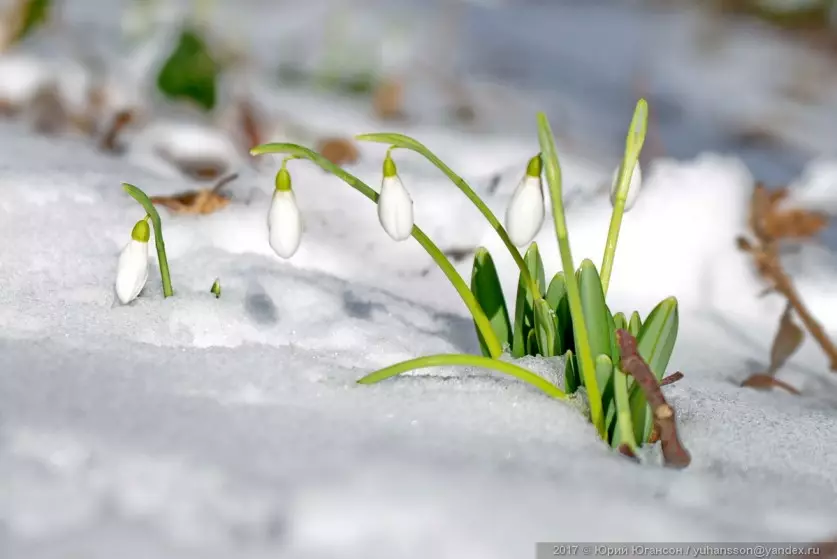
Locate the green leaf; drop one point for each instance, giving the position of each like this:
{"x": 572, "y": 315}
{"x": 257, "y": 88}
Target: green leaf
{"x": 604, "y": 376}
{"x": 524, "y": 312}
{"x": 571, "y": 376}
{"x": 655, "y": 344}
{"x": 545, "y": 328}
{"x": 453, "y": 359}
{"x": 531, "y": 343}
{"x": 485, "y": 285}
{"x": 34, "y": 14}
{"x": 559, "y": 302}
{"x": 190, "y": 71}
{"x": 619, "y": 321}
{"x": 624, "y": 432}
{"x": 634, "y": 325}
{"x": 596, "y": 315}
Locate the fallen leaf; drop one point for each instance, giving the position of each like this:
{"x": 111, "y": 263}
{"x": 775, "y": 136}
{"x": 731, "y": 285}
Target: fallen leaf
{"x": 388, "y": 99}
{"x": 788, "y": 338}
{"x": 762, "y": 381}
{"x": 340, "y": 151}
{"x": 201, "y": 202}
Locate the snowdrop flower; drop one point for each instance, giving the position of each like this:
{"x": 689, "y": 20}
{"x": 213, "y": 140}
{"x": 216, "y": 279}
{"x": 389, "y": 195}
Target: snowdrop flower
{"x": 132, "y": 270}
{"x": 526, "y": 211}
{"x": 284, "y": 221}
{"x": 395, "y": 207}
{"x": 633, "y": 188}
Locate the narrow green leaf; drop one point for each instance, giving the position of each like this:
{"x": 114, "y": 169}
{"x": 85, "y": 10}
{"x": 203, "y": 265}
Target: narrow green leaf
{"x": 485, "y": 285}
{"x": 556, "y": 298}
{"x": 190, "y": 72}
{"x": 619, "y": 321}
{"x": 531, "y": 342}
{"x": 634, "y": 325}
{"x": 624, "y": 433}
{"x": 34, "y": 14}
{"x": 571, "y": 377}
{"x": 594, "y": 309}
{"x": 604, "y": 376}
{"x": 524, "y": 312}
{"x": 453, "y": 359}
{"x": 655, "y": 344}
{"x": 545, "y": 328}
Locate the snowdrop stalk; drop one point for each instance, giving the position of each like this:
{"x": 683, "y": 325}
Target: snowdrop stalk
{"x": 483, "y": 324}
{"x": 149, "y": 208}
{"x": 582, "y": 341}
{"x": 405, "y": 142}
{"x": 132, "y": 271}
{"x": 633, "y": 145}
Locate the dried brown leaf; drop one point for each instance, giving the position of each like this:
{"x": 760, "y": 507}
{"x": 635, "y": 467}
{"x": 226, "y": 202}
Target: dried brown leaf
{"x": 201, "y": 202}
{"x": 788, "y": 338}
{"x": 388, "y": 99}
{"x": 340, "y": 151}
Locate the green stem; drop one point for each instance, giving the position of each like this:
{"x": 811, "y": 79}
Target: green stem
{"x": 582, "y": 343}
{"x": 623, "y": 409}
{"x": 149, "y": 208}
{"x": 633, "y": 146}
{"x": 481, "y": 320}
{"x": 454, "y": 359}
{"x": 405, "y": 142}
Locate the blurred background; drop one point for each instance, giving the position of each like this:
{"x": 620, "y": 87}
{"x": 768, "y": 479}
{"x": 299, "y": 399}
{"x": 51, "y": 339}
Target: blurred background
{"x": 753, "y": 78}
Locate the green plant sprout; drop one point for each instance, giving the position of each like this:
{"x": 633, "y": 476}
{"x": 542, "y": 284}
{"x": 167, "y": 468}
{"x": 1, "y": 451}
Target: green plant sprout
{"x": 568, "y": 317}
{"x": 149, "y": 208}
{"x": 216, "y": 288}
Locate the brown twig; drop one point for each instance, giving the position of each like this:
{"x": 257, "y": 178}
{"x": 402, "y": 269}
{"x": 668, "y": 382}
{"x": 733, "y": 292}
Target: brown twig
{"x": 770, "y": 225}
{"x": 674, "y": 454}
{"x": 671, "y": 379}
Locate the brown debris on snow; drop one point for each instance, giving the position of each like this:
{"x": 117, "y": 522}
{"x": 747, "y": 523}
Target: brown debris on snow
{"x": 201, "y": 202}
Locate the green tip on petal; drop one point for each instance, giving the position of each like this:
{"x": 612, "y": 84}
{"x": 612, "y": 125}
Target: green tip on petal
{"x": 283, "y": 180}
{"x": 535, "y": 166}
{"x": 389, "y": 167}
{"x": 141, "y": 231}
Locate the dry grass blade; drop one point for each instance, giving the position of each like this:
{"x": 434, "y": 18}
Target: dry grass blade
{"x": 674, "y": 454}
{"x": 764, "y": 381}
{"x": 201, "y": 202}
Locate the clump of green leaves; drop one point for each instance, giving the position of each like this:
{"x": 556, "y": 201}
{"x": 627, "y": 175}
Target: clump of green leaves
{"x": 567, "y": 317}
{"x": 190, "y": 72}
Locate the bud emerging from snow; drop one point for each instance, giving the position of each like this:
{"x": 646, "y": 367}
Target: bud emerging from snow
{"x": 633, "y": 188}
{"x": 284, "y": 222}
{"x": 395, "y": 207}
{"x": 132, "y": 270}
{"x": 526, "y": 211}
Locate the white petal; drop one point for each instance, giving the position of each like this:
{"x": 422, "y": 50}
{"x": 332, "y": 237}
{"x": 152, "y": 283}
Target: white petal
{"x": 633, "y": 188}
{"x": 284, "y": 223}
{"x": 395, "y": 209}
{"x": 132, "y": 271}
{"x": 525, "y": 214}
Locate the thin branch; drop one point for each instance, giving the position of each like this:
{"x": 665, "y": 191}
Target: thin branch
{"x": 674, "y": 454}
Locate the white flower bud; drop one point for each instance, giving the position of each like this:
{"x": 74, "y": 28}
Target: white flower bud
{"x": 284, "y": 221}
{"x": 525, "y": 214}
{"x": 633, "y": 188}
{"x": 395, "y": 207}
{"x": 132, "y": 269}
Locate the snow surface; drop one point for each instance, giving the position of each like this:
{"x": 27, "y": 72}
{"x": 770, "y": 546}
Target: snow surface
{"x": 233, "y": 427}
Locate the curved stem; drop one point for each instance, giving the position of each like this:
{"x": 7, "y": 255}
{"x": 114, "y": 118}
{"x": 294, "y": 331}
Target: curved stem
{"x": 402, "y": 141}
{"x": 458, "y": 359}
{"x": 582, "y": 343}
{"x": 151, "y": 211}
{"x": 480, "y": 319}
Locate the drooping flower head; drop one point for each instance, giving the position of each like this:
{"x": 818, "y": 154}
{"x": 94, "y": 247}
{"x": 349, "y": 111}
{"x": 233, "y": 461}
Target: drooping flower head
{"x": 395, "y": 207}
{"x": 526, "y": 211}
{"x": 284, "y": 221}
{"x": 132, "y": 269}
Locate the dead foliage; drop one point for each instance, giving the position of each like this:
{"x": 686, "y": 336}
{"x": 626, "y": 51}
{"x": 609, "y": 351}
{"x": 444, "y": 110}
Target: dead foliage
{"x": 675, "y": 454}
{"x": 388, "y": 99}
{"x": 110, "y": 139}
{"x": 197, "y": 202}
{"x": 771, "y": 225}
{"x": 340, "y": 151}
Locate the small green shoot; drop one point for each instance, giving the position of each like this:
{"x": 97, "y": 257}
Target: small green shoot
{"x": 149, "y": 208}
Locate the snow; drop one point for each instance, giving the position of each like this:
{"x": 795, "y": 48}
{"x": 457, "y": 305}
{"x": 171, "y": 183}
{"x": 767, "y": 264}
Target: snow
{"x": 233, "y": 427}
